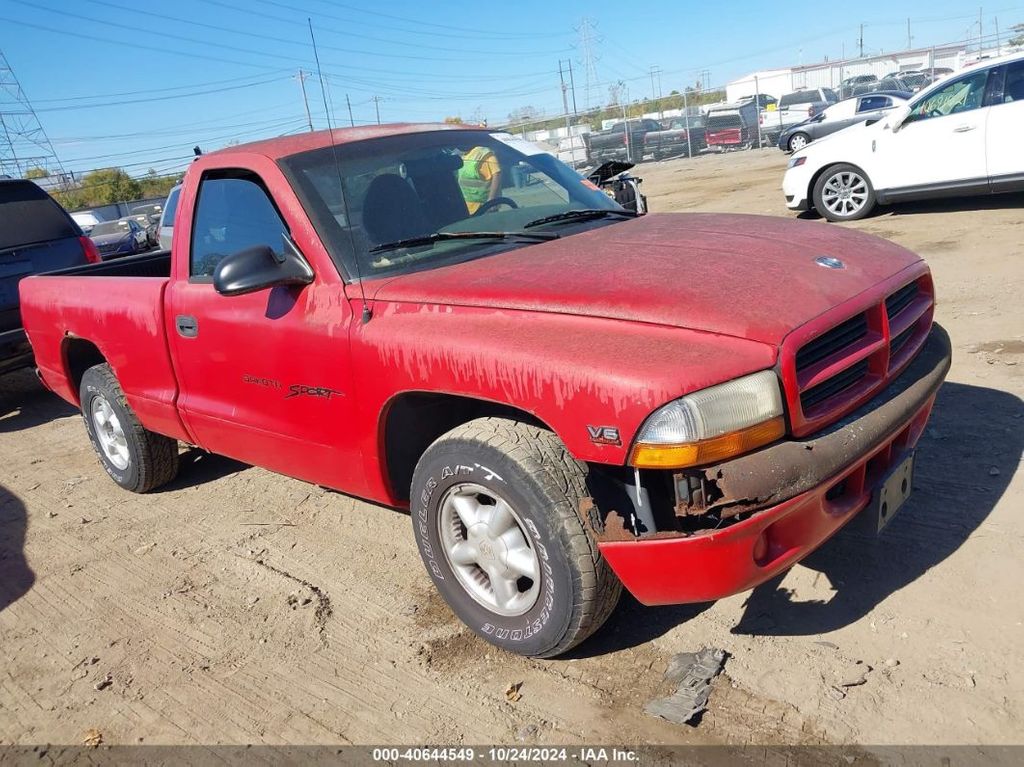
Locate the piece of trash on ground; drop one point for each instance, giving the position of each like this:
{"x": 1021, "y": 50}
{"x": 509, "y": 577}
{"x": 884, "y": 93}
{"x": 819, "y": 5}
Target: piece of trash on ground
{"x": 692, "y": 672}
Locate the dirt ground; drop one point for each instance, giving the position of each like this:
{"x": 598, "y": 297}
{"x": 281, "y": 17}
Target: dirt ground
{"x": 238, "y": 606}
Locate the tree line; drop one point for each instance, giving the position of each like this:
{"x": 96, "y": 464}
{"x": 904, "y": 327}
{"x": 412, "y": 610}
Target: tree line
{"x": 109, "y": 185}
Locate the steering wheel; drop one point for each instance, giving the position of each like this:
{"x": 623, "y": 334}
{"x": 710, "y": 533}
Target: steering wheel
{"x": 484, "y": 207}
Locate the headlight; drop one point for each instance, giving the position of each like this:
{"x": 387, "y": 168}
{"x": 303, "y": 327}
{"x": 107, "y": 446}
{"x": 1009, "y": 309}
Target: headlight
{"x": 712, "y": 424}
{"x": 796, "y": 162}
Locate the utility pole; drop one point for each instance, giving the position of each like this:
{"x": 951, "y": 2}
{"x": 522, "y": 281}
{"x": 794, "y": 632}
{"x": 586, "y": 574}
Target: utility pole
{"x": 910, "y": 38}
{"x": 588, "y": 41}
{"x": 348, "y": 103}
{"x": 376, "y": 103}
{"x": 572, "y": 87}
{"x": 981, "y": 30}
{"x": 861, "y": 41}
{"x": 565, "y": 98}
{"x": 302, "y": 83}
{"x": 655, "y": 72}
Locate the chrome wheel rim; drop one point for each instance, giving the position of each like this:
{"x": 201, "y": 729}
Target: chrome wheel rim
{"x": 845, "y": 193}
{"x": 797, "y": 143}
{"x": 109, "y": 433}
{"x": 487, "y": 547}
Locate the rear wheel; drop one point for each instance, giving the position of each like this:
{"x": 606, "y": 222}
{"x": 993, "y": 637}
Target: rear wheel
{"x": 843, "y": 193}
{"x": 135, "y": 458}
{"x": 495, "y": 520}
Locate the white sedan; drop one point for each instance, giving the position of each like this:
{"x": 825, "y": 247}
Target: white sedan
{"x": 963, "y": 135}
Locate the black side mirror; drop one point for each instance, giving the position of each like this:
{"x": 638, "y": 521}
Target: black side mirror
{"x": 260, "y": 267}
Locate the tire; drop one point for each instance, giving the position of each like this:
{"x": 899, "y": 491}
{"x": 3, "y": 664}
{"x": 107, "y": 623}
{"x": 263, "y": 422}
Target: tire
{"x": 134, "y": 457}
{"x": 798, "y": 141}
{"x": 480, "y": 466}
{"x": 833, "y": 182}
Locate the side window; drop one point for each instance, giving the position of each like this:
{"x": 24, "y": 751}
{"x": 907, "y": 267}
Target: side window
{"x": 1013, "y": 85}
{"x": 233, "y": 213}
{"x": 961, "y": 95}
{"x": 871, "y": 103}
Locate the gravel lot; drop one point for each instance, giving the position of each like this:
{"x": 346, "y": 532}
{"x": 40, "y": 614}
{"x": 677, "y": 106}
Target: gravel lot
{"x": 238, "y": 606}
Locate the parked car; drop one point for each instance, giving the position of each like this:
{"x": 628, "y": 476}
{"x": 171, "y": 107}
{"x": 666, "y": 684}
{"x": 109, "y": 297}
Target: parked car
{"x": 167, "y": 218}
{"x": 566, "y": 397}
{"x": 846, "y": 86}
{"x": 87, "y": 219}
{"x": 731, "y": 126}
{"x": 151, "y": 210}
{"x": 870, "y": 106}
{"x": 123, "y": 237}
{"x": 960, "y": 136}
{"x": 680, "y": 135}
{"x": 36, "y": 235}
{"x": 149, "y": 226}
{"x": 617, "y": 143}
{"x": 795, "y": 108}
{"x": 763, "y": 100}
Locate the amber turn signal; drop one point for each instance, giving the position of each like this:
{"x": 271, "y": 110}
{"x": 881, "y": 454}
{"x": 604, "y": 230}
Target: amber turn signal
{"x": 648, "y": 456}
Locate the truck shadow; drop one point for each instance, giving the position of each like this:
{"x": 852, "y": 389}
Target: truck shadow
{"x": 16, "y": 577}
{"x": 966, "y": 459}
{"x": 24, "y": 402}
{"x": 197, "y": 467}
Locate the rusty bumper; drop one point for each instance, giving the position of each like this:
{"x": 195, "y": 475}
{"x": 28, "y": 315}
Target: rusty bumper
{"x": 778, "y": 504}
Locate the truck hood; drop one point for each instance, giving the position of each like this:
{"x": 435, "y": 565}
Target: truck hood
{"x": 752, "y": 277}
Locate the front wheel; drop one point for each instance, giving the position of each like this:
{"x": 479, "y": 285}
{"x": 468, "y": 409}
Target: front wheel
{"x": 843, "y": 193}
{"x": 798, "y": 141}
{"x": 495, "y": 517}
{"x": 135, "y": 458}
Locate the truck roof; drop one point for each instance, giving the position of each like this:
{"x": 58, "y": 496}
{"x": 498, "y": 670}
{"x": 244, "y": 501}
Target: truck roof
{"x": 283, "y": 146}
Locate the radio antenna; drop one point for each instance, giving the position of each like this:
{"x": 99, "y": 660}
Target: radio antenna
{"x": 367, "y": 312}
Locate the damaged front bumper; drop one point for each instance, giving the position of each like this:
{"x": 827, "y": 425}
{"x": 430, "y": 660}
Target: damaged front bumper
{"x": 776, "y": 505}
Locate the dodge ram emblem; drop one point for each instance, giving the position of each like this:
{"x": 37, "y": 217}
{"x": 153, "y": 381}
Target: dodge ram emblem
{"x": 829, "y": 263}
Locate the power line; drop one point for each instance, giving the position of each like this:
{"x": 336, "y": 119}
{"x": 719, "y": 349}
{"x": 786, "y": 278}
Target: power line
{"x": 76, "y": 107}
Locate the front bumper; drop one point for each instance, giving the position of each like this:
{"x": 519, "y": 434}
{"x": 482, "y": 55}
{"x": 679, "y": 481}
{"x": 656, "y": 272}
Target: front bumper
{"x": 800, "y": 493}
{"x": 794, "y": 186}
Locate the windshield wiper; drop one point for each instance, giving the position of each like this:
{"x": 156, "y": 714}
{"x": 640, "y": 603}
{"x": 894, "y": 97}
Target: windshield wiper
{"x": 429, "y": 239}
{"x": 580, "y": 214}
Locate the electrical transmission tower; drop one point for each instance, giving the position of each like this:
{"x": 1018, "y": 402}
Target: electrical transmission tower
{"x": 589, "y": 40}
{"x": 23, "y": 142}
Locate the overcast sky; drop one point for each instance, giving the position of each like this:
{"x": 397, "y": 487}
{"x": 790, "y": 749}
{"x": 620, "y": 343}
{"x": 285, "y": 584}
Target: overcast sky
{"x": 137, "y": 84}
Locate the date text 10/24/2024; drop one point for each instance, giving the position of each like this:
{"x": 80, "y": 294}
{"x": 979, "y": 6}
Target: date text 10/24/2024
{"x": 500, "y": 754}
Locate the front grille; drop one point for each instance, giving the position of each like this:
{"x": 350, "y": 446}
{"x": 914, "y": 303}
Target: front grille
{"x": 835, "y": 340}
{"x": 900, "y": 341}
{"x": 833, "y": 386}
{"x": 899, "y": 300}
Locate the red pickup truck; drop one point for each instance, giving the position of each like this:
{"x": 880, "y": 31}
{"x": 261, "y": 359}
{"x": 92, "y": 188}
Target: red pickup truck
{"x": 565, "y": 396}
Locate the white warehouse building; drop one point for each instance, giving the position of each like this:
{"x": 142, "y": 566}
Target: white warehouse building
{"x": 829, "y": 74}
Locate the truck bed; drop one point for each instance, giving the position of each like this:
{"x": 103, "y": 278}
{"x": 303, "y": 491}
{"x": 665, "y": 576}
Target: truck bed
{"x": 70, "y": 319}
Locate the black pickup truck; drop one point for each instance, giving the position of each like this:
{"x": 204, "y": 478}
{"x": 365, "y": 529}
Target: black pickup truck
{"x": 618, "y": 144}
{"x": 36, "y": 235}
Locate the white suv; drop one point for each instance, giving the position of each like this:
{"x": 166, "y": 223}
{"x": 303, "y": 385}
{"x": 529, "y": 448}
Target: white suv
{"x": 963, "y": 135}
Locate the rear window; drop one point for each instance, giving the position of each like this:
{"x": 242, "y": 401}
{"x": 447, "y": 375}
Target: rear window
{"x": 29, "y": 215}
{"x": 800, "y": 97}
{"x": 721, "y": 122}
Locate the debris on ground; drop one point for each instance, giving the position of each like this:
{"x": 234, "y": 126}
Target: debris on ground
{"x": 512, "y": 694}
{"x": 104, "y": 683}
{"x": 692, "y": 672}
{"x": 92, "y": 737}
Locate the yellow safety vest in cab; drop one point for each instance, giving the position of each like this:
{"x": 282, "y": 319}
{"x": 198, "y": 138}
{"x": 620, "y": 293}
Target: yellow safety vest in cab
{"x": 474, "y": 184}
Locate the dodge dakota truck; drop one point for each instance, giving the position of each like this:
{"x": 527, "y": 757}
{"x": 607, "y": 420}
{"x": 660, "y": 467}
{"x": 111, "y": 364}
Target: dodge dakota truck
{"x": 566, "y": 397}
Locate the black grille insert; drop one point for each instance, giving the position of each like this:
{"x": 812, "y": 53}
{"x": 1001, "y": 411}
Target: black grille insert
{"x": 900, "y": 341}
{"x": 836, "y": 384}
{"x": 836, "y": 339}
{"x": 899, "y": 300}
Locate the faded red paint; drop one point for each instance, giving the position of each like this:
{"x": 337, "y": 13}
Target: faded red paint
{"x": 598, "y": 328}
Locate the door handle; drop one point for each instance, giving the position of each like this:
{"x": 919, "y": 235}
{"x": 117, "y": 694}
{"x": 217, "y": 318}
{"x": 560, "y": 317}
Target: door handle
{"x": 188, "y": 327}
{"x": 964, "y": 128}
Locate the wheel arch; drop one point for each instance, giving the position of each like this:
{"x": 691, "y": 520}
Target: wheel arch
{"x": 412, "y": 420}
{"x": 79, "y": 354}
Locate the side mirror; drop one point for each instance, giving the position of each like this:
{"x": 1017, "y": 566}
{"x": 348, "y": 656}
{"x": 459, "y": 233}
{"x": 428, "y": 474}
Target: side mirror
{"x": 260, "y": 267}
{"x": 898, "y": 117}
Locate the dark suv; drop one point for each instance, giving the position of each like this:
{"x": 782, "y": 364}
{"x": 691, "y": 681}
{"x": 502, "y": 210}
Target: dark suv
{"x": 36, "y": 235}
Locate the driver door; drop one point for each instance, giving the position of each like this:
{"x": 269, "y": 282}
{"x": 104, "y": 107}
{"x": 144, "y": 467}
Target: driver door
{"x": 940, "y": 147}
{"x": 264, "y": 377}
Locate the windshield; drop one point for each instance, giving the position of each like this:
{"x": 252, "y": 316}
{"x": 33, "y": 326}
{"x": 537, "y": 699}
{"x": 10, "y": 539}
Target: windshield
{"x": 110, "y": 227}
{"x": 170, "y": 207}
{"x": 800, "y": 97}
{"x": 724, "y": 121}
{"x": 408, "y": 187}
